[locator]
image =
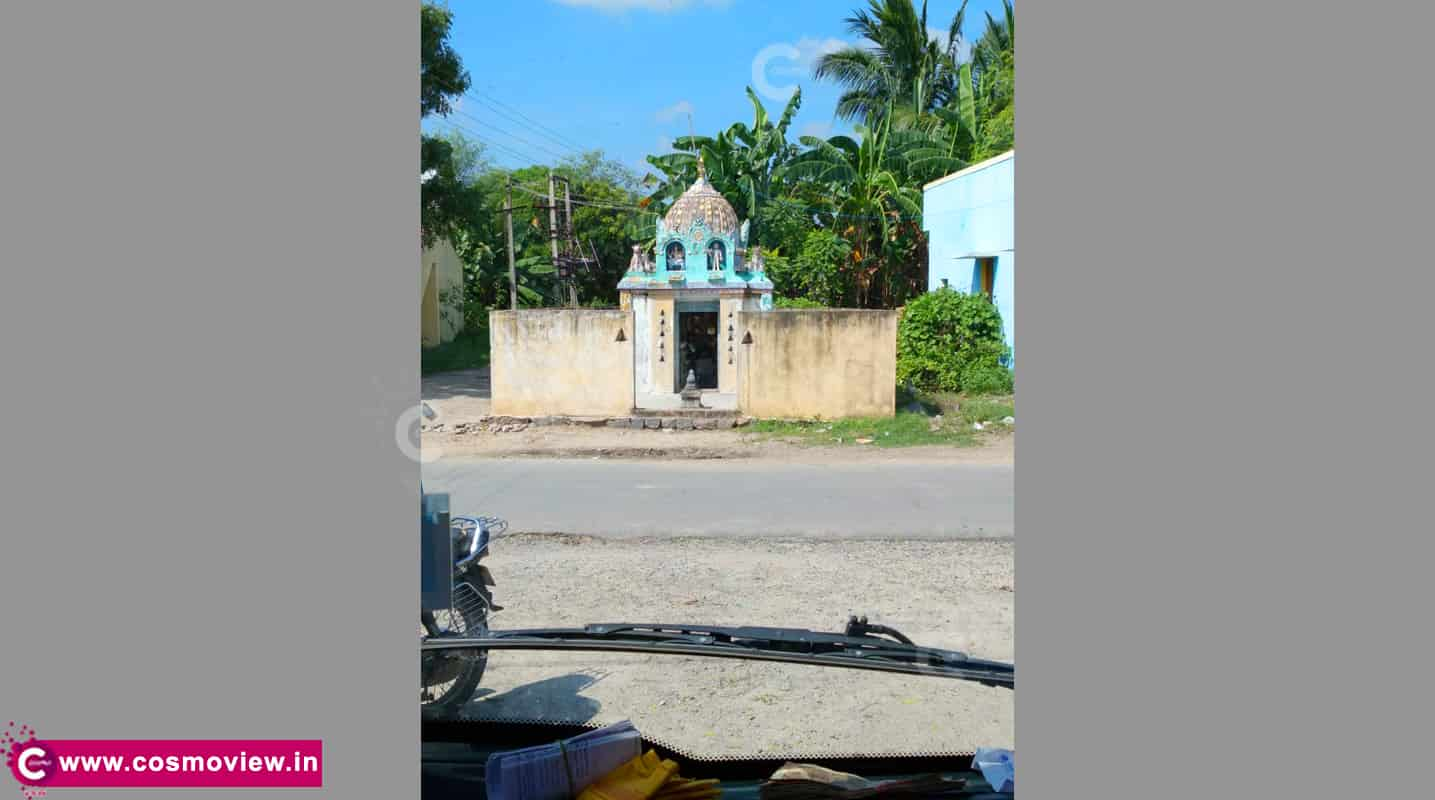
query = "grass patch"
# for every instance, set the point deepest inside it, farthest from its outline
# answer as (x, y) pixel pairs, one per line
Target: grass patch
(468, 350)
(984, 409)
(921, 419)
(907, 429)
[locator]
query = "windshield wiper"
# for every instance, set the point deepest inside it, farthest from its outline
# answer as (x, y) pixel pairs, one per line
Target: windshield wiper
(861, 646)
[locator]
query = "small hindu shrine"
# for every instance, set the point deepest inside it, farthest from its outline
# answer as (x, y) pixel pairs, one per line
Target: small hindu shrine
(685, 300)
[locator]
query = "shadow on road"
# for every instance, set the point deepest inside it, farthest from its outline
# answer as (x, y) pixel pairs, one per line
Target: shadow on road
(555, 698)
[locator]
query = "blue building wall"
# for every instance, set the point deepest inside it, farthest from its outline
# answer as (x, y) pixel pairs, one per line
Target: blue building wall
(971, 213)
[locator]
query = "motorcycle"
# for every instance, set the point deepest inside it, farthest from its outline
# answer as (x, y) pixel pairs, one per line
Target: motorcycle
(449, 678)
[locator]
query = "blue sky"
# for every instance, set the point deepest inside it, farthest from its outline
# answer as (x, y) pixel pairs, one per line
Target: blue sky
(550, 77)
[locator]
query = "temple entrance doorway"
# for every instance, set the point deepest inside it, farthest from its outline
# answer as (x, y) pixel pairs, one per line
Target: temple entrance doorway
(698, 347)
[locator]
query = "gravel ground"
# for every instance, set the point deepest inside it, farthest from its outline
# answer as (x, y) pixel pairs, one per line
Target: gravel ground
(956, 595)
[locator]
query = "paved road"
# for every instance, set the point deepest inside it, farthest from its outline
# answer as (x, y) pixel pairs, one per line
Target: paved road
(733, 498)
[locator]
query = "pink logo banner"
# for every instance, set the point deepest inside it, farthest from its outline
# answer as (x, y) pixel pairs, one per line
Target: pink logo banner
(167, 763)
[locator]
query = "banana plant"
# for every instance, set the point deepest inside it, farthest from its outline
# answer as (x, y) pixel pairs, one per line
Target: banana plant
(875, 184)
(740, 162)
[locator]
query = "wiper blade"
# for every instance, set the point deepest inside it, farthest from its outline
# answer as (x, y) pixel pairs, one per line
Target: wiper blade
(861, 646)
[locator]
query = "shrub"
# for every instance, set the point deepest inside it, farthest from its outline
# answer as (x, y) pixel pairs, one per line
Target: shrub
(946, 338)
(817, 272)
(981, 377)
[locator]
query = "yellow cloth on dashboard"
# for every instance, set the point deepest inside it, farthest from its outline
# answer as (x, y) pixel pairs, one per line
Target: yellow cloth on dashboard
(680, 788)
(638, 779)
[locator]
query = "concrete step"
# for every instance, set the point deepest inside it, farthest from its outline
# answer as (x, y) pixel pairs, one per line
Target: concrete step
(689, 413)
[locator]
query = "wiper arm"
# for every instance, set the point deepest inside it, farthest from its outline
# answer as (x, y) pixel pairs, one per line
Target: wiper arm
(856, 648)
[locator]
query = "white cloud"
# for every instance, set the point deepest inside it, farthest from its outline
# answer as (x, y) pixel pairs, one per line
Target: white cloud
(676, 111)
(792, 60)
(661, 6)
(665, 143)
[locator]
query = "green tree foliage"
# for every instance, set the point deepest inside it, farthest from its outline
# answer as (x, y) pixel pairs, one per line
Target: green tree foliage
(877, 202)
(950, 341)
(605, 220)
(980, 123)
(444, 199)
(797, 302)
(441, 73)
(741, 162)
(994, 65)
(818, 274)
(903, 70)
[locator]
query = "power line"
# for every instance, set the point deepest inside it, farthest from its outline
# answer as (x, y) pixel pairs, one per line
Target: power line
(583, 201)
(591, 204)
(513, 136)
(536, 124)
(518, 117)
(533, 126)
(526, 157)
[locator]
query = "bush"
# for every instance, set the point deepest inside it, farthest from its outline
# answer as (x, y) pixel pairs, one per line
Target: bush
(947, 339)
(818, 272)
(979, 377)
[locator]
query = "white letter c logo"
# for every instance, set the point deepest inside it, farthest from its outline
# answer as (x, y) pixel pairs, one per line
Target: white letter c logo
(22, 763)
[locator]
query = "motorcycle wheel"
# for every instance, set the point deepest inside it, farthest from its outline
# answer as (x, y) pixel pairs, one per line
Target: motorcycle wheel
(443, 698)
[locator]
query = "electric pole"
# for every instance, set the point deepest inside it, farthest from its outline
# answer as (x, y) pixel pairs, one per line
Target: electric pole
(553, 233)
(568, 223)
(508, 232)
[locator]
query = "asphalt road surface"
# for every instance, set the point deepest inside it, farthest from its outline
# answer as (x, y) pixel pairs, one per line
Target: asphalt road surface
(738, 499)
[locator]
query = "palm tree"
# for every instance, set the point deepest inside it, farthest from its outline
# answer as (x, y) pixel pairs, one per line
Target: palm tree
(999, 38)
(900, 67)
(740, 162)
(875, 186)
(978, 124)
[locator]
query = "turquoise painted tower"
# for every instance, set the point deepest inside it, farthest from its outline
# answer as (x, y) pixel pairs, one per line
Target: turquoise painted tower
(700, 244)
(685, 299)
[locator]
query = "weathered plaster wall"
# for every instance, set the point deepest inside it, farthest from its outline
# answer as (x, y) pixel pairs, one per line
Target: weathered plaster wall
(440, 278)
(823, 363)
(642, 307)
(561, 362)
(661, 358)
(727, 318)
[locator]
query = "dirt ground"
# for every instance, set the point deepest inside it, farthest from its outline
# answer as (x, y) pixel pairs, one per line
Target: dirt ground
(464, 396)
(566, 441)
(956, 595)
(458, 396)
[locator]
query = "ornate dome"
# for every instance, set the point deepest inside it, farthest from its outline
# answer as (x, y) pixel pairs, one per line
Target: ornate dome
(702, 202)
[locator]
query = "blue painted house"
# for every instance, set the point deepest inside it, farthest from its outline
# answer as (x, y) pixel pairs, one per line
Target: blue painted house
(969, 217)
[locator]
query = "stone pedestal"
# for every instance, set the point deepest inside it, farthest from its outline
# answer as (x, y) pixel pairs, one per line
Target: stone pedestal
(691, 394)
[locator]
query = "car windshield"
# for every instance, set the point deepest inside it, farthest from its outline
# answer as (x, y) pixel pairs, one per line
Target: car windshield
(736, 354)
(951, 595)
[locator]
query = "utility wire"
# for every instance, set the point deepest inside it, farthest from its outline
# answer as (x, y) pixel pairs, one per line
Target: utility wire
(540, 126)
(525, 157)
(518, 118)
(579, 199)
(515, 137)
